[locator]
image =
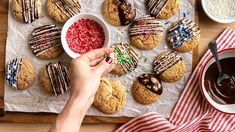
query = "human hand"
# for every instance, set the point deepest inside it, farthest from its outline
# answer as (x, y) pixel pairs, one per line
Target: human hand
(85, 73)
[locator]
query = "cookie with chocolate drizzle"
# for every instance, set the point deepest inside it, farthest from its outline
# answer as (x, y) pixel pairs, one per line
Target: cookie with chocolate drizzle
(45, 42)
(127, 58)
(184, 35)
(61, 10)
(146, 32)
(26, 11)
(147, 89)
(119, 12)
(54, 78)
(169, 66)
(163, 9)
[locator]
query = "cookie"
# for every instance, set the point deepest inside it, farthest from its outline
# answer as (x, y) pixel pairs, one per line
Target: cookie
(169, 66)
(61, 10)
(110, 97)
(54, 78)
(147, 89)
(146, 32)
(163, 9)
(26, 11)
(127, 58)
(20, 73)
(45, 42)
(119, 12)
(184, 35)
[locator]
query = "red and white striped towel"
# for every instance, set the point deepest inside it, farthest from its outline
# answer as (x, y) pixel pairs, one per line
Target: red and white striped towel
(192, 112)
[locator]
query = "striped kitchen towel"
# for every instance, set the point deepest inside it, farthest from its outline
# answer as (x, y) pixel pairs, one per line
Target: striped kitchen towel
(192, 113)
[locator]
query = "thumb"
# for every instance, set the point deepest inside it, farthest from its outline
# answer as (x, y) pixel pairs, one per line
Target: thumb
(104, 65)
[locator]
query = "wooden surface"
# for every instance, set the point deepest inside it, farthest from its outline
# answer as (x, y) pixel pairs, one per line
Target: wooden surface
(209, 31)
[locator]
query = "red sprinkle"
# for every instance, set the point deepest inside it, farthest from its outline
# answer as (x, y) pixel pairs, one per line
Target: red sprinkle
(85, 35)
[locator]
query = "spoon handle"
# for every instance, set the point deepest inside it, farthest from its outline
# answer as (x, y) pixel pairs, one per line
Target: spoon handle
(213, 48)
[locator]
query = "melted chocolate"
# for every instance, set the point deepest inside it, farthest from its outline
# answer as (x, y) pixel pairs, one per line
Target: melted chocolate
(223, 93)
(68, 7)
(151, 83)
(30, 10)
(126, 11)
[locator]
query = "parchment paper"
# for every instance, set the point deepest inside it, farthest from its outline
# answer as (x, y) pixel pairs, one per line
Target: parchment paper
(35, 99)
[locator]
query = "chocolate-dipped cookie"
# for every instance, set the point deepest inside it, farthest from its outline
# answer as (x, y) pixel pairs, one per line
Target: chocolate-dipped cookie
(26, 11)
(61, 10)
(54, 78)
(184, 35)
(20, 73)
(45, 42)
(147, 89)
(119, 12)
(169, 66)
(163, 9)
(146, 32)
(127, 58)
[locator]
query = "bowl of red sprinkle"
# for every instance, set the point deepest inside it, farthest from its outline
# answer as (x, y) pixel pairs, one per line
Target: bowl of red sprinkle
(82, 33)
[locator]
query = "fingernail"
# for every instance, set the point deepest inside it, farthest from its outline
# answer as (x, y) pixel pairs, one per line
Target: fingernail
(109, 60)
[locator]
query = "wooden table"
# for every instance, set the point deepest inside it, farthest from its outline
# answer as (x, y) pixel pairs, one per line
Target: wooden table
(209, 31)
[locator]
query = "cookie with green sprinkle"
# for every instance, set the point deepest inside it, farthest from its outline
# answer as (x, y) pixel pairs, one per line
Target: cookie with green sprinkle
(127, 58)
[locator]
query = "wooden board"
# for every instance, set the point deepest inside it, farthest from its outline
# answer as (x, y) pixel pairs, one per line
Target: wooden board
(20, 117)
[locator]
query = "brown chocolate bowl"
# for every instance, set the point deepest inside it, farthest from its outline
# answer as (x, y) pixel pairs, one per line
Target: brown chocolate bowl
(214, 101)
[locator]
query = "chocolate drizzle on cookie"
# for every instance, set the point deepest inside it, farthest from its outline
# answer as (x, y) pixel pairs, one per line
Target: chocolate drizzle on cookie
(45, 38)
(126, 11)
(151, 83)
(30, 10)
(156, 6)
(165, 61)
(182, 31)
(59, 77)
(127, 58)
(13, 68)
(68, 7)
(146, 26)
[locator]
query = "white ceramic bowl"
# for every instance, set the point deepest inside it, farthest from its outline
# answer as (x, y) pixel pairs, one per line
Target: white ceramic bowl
(212, 17)
(75, 18)
(229, 108)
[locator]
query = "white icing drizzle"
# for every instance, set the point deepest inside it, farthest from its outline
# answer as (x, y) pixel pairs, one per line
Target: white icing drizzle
(156, 6)
(59, 77)
(165, 62)
(30, 10)
(45, 38)
(146, 26)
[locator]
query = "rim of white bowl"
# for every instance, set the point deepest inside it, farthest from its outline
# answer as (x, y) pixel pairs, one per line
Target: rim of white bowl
(211, 17)
(202, 87)
(75, 18)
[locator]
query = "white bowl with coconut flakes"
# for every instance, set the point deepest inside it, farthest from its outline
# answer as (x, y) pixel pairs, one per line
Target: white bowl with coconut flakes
(221, 11)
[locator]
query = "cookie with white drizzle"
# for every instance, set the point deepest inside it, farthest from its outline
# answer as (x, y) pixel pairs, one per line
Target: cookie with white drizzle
(54, 78)
(20, 73)
(147, 89)
(45, 42)
(126, 58)
(26, 11)
(169, 66)
(184, 35)
(146, 32)
(61, 10)
(163, 9)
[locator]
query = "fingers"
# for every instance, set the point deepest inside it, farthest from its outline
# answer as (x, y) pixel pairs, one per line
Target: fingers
(109, 69)
(96, 61)
(104, 65)
(97, 53)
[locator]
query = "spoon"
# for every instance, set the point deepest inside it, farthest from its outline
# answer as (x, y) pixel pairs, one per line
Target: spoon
(222, 76)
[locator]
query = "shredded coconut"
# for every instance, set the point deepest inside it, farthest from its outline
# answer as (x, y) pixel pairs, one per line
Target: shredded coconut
(221, 9)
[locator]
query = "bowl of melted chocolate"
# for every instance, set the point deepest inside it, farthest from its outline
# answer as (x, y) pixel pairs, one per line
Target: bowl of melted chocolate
(220, 95)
